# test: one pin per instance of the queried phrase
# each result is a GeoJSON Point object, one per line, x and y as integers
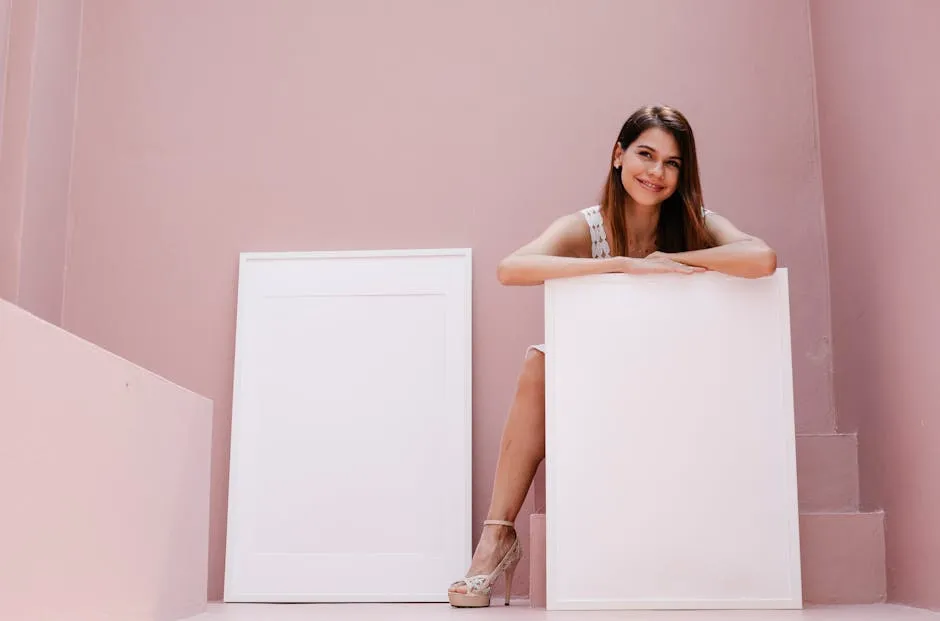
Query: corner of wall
{"type": "Point", "coordinates": [69, 216]}
{"type": "Point", "coordinates": [817, 139]}
{"type": "Point", "coordinates": [13, 173]}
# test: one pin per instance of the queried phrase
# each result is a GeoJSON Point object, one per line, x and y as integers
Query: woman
{"type": "Point", "coordinates": [651, 219]}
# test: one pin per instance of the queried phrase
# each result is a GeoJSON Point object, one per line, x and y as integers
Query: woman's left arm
{"type": "Point", "coordinates": [737, 253]}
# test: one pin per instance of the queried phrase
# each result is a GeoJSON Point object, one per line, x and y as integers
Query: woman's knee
{"type": "Point", "coordinates": [533, 370]}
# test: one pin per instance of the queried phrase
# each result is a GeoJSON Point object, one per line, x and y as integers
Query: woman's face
{"type": "Point", "coordinates": [649, 167]}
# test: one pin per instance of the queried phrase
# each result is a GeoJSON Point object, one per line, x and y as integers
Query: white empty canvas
{"type": "Point", "coordinates": [350, 466]}
{"type": "Point", "coordinates": [670, 474]}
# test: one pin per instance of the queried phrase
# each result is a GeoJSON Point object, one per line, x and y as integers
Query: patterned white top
{"type": "Point", "coordinates": [600, 249]}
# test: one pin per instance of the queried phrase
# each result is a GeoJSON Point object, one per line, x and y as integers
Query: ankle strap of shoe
{"type": "Point", "coordinates": [499, 522]}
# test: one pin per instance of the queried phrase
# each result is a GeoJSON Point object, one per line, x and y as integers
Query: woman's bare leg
{"type": "Point", "coordinates": [521, 451]}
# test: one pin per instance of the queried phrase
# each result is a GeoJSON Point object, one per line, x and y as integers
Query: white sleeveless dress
{"type": "Point", "coordinates": [600, 249]}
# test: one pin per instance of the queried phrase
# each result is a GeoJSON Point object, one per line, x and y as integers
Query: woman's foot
{"type": "Point", "coordinates": [498, 551]}
{"type": "Point", "coordinates": [493, 545]}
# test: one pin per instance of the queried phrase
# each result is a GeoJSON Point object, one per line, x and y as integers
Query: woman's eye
{"type": "Point", "coordinates": [644, 154]}
{"type": "Point", "coordinates": [674, 164]}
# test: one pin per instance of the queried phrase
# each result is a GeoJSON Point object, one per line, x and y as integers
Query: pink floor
{"type": "Point", "coordinates": [520, 610]}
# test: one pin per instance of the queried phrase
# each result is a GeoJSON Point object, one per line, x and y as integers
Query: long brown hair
{"type": "Point", "coordinates": [681, 225]}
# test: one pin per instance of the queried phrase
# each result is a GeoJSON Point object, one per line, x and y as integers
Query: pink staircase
{"type": "Point", "coordinates": [842, 548]}
{"type": "Point", "coordinates": [105, 478]}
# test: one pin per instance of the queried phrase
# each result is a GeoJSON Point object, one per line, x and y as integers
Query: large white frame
{"type": "Point", "coordinates": [671, 468]}
{"type": "Point", "coordinates": [359, 506]}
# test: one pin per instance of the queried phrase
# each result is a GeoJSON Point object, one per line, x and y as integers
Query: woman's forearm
{"type": "Point", "coordinates": [747, 259]}
{"type": "Point", "coordinates": [535, 269]}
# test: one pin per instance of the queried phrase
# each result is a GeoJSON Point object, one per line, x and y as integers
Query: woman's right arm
{"type": "Point", "coordinates": [535, 269]}
{"type": "Point", "coordinates": [555, 254]}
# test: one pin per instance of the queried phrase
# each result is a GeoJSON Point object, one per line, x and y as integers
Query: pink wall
{"type": "Point", "coordinates": [5, 14]}
{"type": "Point", "coordinates": [19, 40]}
{"type": "Point", "coordinates": [36, 151]}
{"type": "Point", "coordinates": [368, 124]}
{"type": "Point", "coordinates": [105, 479]}
{"type": "Point", "coordinates": [51, 125]}
{"type": "Point", "coordinates": [877, 109]}
{"type": "Point", "coordinates": [5, 10]}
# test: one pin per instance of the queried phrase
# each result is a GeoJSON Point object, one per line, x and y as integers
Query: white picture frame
{"type": "Point", "coordinates": [345, 488]}
{"type": "Point", "coordinates": [670, 439]}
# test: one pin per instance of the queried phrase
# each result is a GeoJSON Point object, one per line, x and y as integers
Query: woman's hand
{"type": "Point", "coordinates": [656, 263]}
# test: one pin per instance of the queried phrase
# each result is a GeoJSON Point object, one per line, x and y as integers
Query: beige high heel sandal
{"type": "Point", "coordinates": [480, 587]}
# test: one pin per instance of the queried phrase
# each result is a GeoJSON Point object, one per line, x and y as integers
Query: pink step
{"type": "Point", "coordinates": [842, 556]}
{"type": "Point", "coordinates": [827, 473]}
{"type": "Point", "coordinates": [537, 560]}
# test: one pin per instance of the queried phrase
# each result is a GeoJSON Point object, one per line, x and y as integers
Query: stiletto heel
{"type": "Point", "coordinates": [509, 574]}
{"type": "Point", "coordinates": [480, 587]}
